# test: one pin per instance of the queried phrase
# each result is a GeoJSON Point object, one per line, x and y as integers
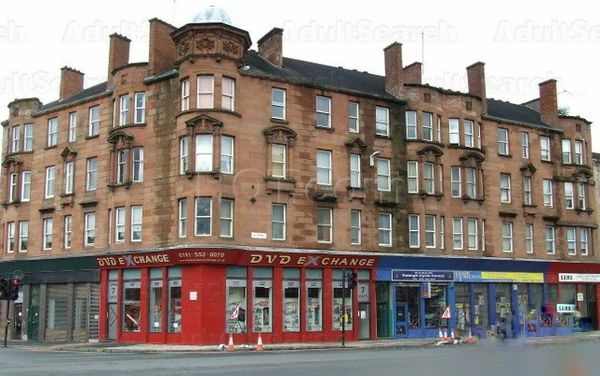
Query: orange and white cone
{"type": "Point", "coordinates": [440, 334]}
{"type": "Point", "coordinates": [230, 345]}
{"type": "Point", "coordinates": [259, 345]}
{"type": "Point", "coordinates": [452, 334]}
{"type": "Point", "coordinates": [445, 334]}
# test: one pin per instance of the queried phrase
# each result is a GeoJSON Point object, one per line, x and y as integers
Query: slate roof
{"type": "Point", "coordinates": [517, 113]}
{"type": "Point", "coordinates": [319, 75]}
{"type": "Point", "coordinates": [98, 90]}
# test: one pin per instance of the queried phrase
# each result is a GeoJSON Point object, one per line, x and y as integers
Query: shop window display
{"type": "Point", "coordinates": [463, 307]}
{"type": "Point", "coordinates": [568, 298]}
{"type": "Point", "coordinates": [291, 300]}
{"type": "Point", "coordinates": [236, 299]}
{"type": "Point", "coordinates": [131, 300]}
{"type": "Point", "coordinates": [175, 300]}
{"type": "Point", "coordinates": [263, 301]}
{"type": "Point", "coordinates": [314, 300]}
{"type": "Point", "coordinates": [156, 288]}
{"type": "Point", "coordinates": [480, 309]}
{"type": "Point", "coordinates": [435, 306]}
{"type": "Point", "coordinates": [503, 302]}
{"type": "Point", "coordinates": [341, 312]}
{"type": "Point", "coordinates": [546, 319]}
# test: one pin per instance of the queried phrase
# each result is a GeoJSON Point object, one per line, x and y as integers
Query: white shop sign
{"type": "Point", "coordinates": [575, 277]}
{"type": "Point", "coordinates": [363, 292]}
{"type": "Point", "coordinates": [565, 308]}
{"type": "Point", "coordinates": [258, 235]}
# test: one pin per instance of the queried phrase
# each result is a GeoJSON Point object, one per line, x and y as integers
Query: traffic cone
{"type": "Point", "coordinates": [452, 334]}
{"type": "Point", "coordinates": [440, 334]}
{"type": "Point", "coordinates": [230, 345]}
{"type": "Point", "coordinates": [445, 333]}
{"type": "Point", "coordinates": [470, 334]}
{"type": "Point", "coordinates": [259, 345]}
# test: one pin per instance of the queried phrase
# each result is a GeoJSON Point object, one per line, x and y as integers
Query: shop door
{"type": "Point", "coordinates": [364, 321]}
{"type": "Point", "coordinates": [112, 321]}
{"type": "Point", "coordinates": [33, 322]}
{"type": "Point", "coordinates": [401, 320]}
{"type": "Point", "coordinates": [382, 320]}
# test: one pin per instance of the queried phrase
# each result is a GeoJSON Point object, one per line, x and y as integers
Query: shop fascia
{"type": "Point", "coordinates": [465, 276]}
{"type": "Point", "coordinates": [235, 257]}
{"type": "Point", "coordinates": [578, 278]}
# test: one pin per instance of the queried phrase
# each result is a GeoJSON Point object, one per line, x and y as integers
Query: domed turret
{"type": "Point", "coordinates": [212, 14]}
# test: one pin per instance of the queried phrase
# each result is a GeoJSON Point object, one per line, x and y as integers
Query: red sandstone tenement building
{"type": "Point", "coordinates": [217, 189]}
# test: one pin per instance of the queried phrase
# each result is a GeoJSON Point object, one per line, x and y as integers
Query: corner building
{"type": "Point", "coordinates": [216, 189]}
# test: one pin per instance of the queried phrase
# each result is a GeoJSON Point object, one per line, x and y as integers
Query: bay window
{"type": "Point", "coordinates": [203, 216]}
{"type": "Point", "coordinates": [206, 87]}
{"type": "Point", "coordinates": [204, 152]}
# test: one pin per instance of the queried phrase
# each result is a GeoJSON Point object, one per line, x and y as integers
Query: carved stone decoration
{"type": "Point", "coordinates": [183, 48]}
{"type": "Point", "coordinates": [355, 144]}
{"type": "Point", "coordinates": [205, 44]}
{"type": "Point", "coordinates": [230, 47]}
{"type": "Point", "coordinates": [120, 140]}
{"type": "Point", "coordinates": [280, 134]}
{"type": "Point", "coordinates": [204, 124]}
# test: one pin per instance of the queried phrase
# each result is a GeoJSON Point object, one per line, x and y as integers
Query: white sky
{"type": "Point", "coordinates": [522, 43]}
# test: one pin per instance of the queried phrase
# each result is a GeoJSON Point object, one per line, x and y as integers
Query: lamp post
{"type": "Point", "coordinates": [10, 291]}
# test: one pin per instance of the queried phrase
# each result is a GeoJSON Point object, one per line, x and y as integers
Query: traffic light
{"type": "Point", "coordinates": [14, 293]}
{"type": "Point", "coordinates": [352, 280]}
{"type": "Point", "coordinates": [3, 289]}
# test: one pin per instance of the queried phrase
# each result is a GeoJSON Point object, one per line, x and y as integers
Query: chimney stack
{"type": "Point", "coordinates": [393, 68]}
{"type": "Point", "coordinates": [118, 53]}
{"type": "Point", "coordinates": [71, 82]}
{"type": "Point", "coordinates": [548, 100]}
{"type": "Point", "coordinates": [413, 73]}
{"type": "Point", "coordinates": [270, 46]}
{"type": "Point", "coordinates": [161, 51]}
{"type": "Point", "coordinates": [476, 81]}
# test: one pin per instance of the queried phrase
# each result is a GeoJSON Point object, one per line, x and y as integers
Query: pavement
{"type": "Point", "coordinates": [113, 347]}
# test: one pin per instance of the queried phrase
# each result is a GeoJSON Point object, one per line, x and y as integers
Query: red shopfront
{"type": "Point", "coordinates": [573, 295]}
{"type": "Point", "coordinates": [199, 296]}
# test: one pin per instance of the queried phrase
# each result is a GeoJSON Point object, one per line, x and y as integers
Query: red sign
{"type": "Point", "coordinates": [169, 258]}
{"type": "Point", "coordinates": [233, 257]}
{"type": "Point", "coordinates": [307, 260]}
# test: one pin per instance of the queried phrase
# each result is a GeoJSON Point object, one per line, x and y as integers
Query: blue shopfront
{"type": "Point", "coordinates": [459, 296]}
